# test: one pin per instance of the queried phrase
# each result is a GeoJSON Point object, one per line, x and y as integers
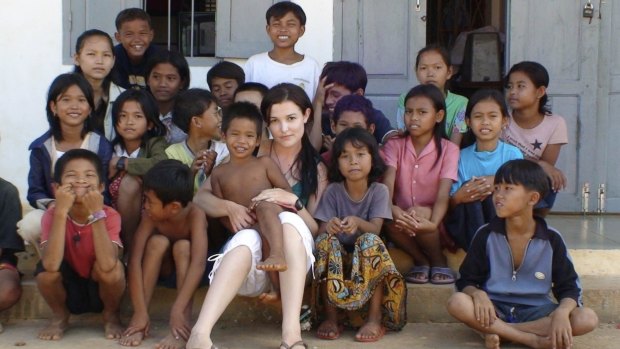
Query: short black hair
{"type": "Point", "coordinates": [175, 59]}
{"type": "Point", "coordinates": [355, 103]}
{"type": "Point", "coordinates": [252, 86]}
{"type": "Point", "coordinates": [280, 9]}
{"type": "Point", "coordinates": [226, 70]}
{"type": "Point", "coordinates": [75, 154]}
{"type": "Point", "coordinates": [130, 14]}
{"type": "Point", "coordinates": [243, 110]}
{"type": "Point", "coordinates": [358, 137]}
{"type": "Point", "coordinates": [348, 74]}
{"type": "Point", "coordinates": [170, 180]}
{"type": "Point", "coordinates": [59, 86]}
{"type": "Point", "coordinates": [190, 103]}
{"type": "Point", "coordinates": [526, 173]}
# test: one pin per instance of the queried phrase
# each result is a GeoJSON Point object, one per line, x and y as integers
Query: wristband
{"type": "Point", "coordinates": [95, 216]}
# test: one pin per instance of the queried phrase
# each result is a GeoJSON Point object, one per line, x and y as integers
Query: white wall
{"type": "Point", "coordinates": [31, 57]}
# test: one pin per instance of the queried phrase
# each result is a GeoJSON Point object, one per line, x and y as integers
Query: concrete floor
{"type": "Point", "coordinates": [588, 232]}
{"type": "Point", "coordinates": [88, 334]}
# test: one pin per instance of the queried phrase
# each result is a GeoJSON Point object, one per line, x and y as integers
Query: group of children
{"type": "Point", "coordinates": [113, 179]}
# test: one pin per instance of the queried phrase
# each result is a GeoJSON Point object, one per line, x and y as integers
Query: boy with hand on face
{"type": "Point", "coordinates": [80, 270]}
{"type": "Point", "coordinates": [169, 246]}
{"type": "Point", "coordinates": [134, 34]}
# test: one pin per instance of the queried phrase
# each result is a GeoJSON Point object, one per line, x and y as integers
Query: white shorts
{"type": "Point", "coordinates": [257, 281]}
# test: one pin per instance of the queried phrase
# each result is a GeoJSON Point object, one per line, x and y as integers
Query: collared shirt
{"type": "Point", "coordinates": [417, 176]}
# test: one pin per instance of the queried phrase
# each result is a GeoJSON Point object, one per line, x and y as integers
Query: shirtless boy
{"type": "Point", "coordinates": [170, 243]}
{"type": "Point", "coordinates": [245, 176]}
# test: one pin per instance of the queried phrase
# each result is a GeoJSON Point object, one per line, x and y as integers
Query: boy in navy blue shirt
{"type": "Point", "coordinates": [513, 264]}
{"type": "Point", "coordinates": [134, 34]}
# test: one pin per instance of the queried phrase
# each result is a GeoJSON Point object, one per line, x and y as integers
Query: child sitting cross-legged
{"type": "Point", "coordinates": [80, 270]}
{"type": "Point", "coordinates": [170, 245]}
{"type": "Point", "coordinates": [514, 263]}
{"type": "Point", "coordinates": [353, 266]}
{"type": "Point", "coordinates": [241, 129]}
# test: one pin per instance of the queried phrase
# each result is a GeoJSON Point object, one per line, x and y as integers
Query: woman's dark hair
{"type": "Point", "coordinates": [59, 86]}
{"type": "Point", "coordinates": [173, 58]}
{"type": "Point", "coordinates": [359, 138]}
{"type": "Point", "coordinates": [524, 172]}
{"type": "Point", "coordinates": [482, 95]}
{"type": "Point", "coordinates": [433, 93]}
{"type": "Point", "coordinates": [149, 108]}
{"type": "Point", "coordinates": [539, 76]}
{"type": "Point", "coordinates": [99, 113]}
{"type": "Point", "coordinates": [307, 159]}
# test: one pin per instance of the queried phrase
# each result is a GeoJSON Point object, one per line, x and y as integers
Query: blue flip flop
{"type": "Point", "coordinates": [444, 271]}
{"type": "Point", "coordinates": [413, 275]}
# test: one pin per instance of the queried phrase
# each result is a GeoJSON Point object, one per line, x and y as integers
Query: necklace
{"type": "Point", "coordinates": [77, 228]}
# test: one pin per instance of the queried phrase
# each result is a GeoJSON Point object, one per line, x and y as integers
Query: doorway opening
{"type": "Point", "coordinates": [474, 33]}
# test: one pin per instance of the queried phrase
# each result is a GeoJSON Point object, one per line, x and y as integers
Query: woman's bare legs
{"type": "Point", "coordinates": [292, 282]}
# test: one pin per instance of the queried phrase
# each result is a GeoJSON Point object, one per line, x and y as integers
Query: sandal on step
{"type": "Point", "coordinates": [286, 346]}
{"type": "Point", "coordinates": [417, 274]}
{"type": "Point", "coordinates": [442, 271]}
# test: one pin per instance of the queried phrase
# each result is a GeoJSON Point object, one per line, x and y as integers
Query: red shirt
{"type": "Point", "coordinates": [79, 246]}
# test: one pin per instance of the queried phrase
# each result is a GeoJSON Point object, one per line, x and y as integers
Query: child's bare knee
{"type": "Point", "coordinates": [157, 244]}
{"type": "Point", "coordinates": [48, 277]}
{"type": "Point", "coordinates": [181, 249]}
{"type": "Point", "coordinates": [130, 186]}
{"type": "Point", "coordinates": [583, 320]}
{"type": "Point", "coordinates": [458, 303]}
{"type": "Point", "coordinates": [10, 292]}
{"type": "Point", "coordinates": [107, 277]}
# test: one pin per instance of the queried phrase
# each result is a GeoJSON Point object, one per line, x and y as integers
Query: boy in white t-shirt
{"type": "Point", "coordinates": [286, 23]}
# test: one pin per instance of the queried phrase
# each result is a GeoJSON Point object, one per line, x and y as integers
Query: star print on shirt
{"type": "Point", "coordinates": [536, 144]}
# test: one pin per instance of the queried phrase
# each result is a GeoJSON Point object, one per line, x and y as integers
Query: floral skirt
{"type": "Point", "coordinates": [370, 267]}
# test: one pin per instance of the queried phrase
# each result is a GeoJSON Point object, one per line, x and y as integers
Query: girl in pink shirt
{"type": "Point", "coordinates": [422, 166]}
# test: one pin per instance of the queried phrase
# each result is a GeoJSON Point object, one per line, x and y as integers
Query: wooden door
{"type": "Point", "coordinates": [553, 33]}
{"type": "Point", "coordinates": [384, 37]}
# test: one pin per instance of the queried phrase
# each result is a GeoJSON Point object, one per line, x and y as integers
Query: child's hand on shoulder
{"type": "Point", "coordinates": [350, 224]}
{"type": "Point", "coordinates": [334, 226]}
{"type": "Point", "coordinates": [93, 200]}
{"type": "Point", "coordinates": [558, 179]}
{"type": "Point", "coordinates": [483, 309]}
{"type": "Point", "coordinates": [65, 197]}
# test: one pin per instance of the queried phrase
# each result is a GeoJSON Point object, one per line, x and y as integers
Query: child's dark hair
{"type": "Point", "coordinates": [190, 103]}
{"type": "Point", "coordinates": [98, 114]}
{"type": "Point", "coordinates": [173, 58]}
{"type": "Point", "coordinates": [358, 138]}
{"type": "Point", "coordinates": [479, 96]}
{"type": "Point", "coordinates": [280, 9]}
{"type": "Point", "coordinates": [354, 103]}
{"type": "Point", "coordinates": [539, 76]}
{"type": "Point", "coordinates": [243, 110]}
{"type": "Point", "coordinates": [75, 154]}
{"type": "Point", "coordinates": [252, 86]}
{"type": "Point", "coordinates": [348, 74]}
{"type": "Point", "coordinates": [149, 109]}
{"type": "Point", "coordinates": [59, 86]}
{"type": "Point", "coordinates": [131, 14]}
{"type": "Point", "coordinates": [445, 56]}
{"type": "Point", "coordinates": [171, 181]}
{"type": "Point", "coordinates": [308, 158]}
{"type": "Point", "coordinates": [433, 93]}
{"type": "Point", "coordinates": [526, 173]}
{"type": "Point", "coordinates": [226, 70]}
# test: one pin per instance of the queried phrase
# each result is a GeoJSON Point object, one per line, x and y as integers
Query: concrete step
{"type": "Point", "coordinates": [425, 303]}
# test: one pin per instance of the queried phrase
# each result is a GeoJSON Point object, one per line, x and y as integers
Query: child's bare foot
{"type": "Point", "coordinates": [370, 332]}
{"type": "Point", "coordinates": [55, 330]}
{"type": "Point", "coordinates": [272, 263]}
{"type": "Point", "coordinates": [491, 341]}
{"type": "Point", "coordinates": [170, 342]}
{"type": "Point", "coordinates": [270, 297]}
{"type": "Point", "coordinates": [199, 341]}
{"type": "Point", "coordinates": [329, 330]}
{"type": "Point", "coordinates": [112, 326]}
{"type": "Point", "coordinates": [132, 340]}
